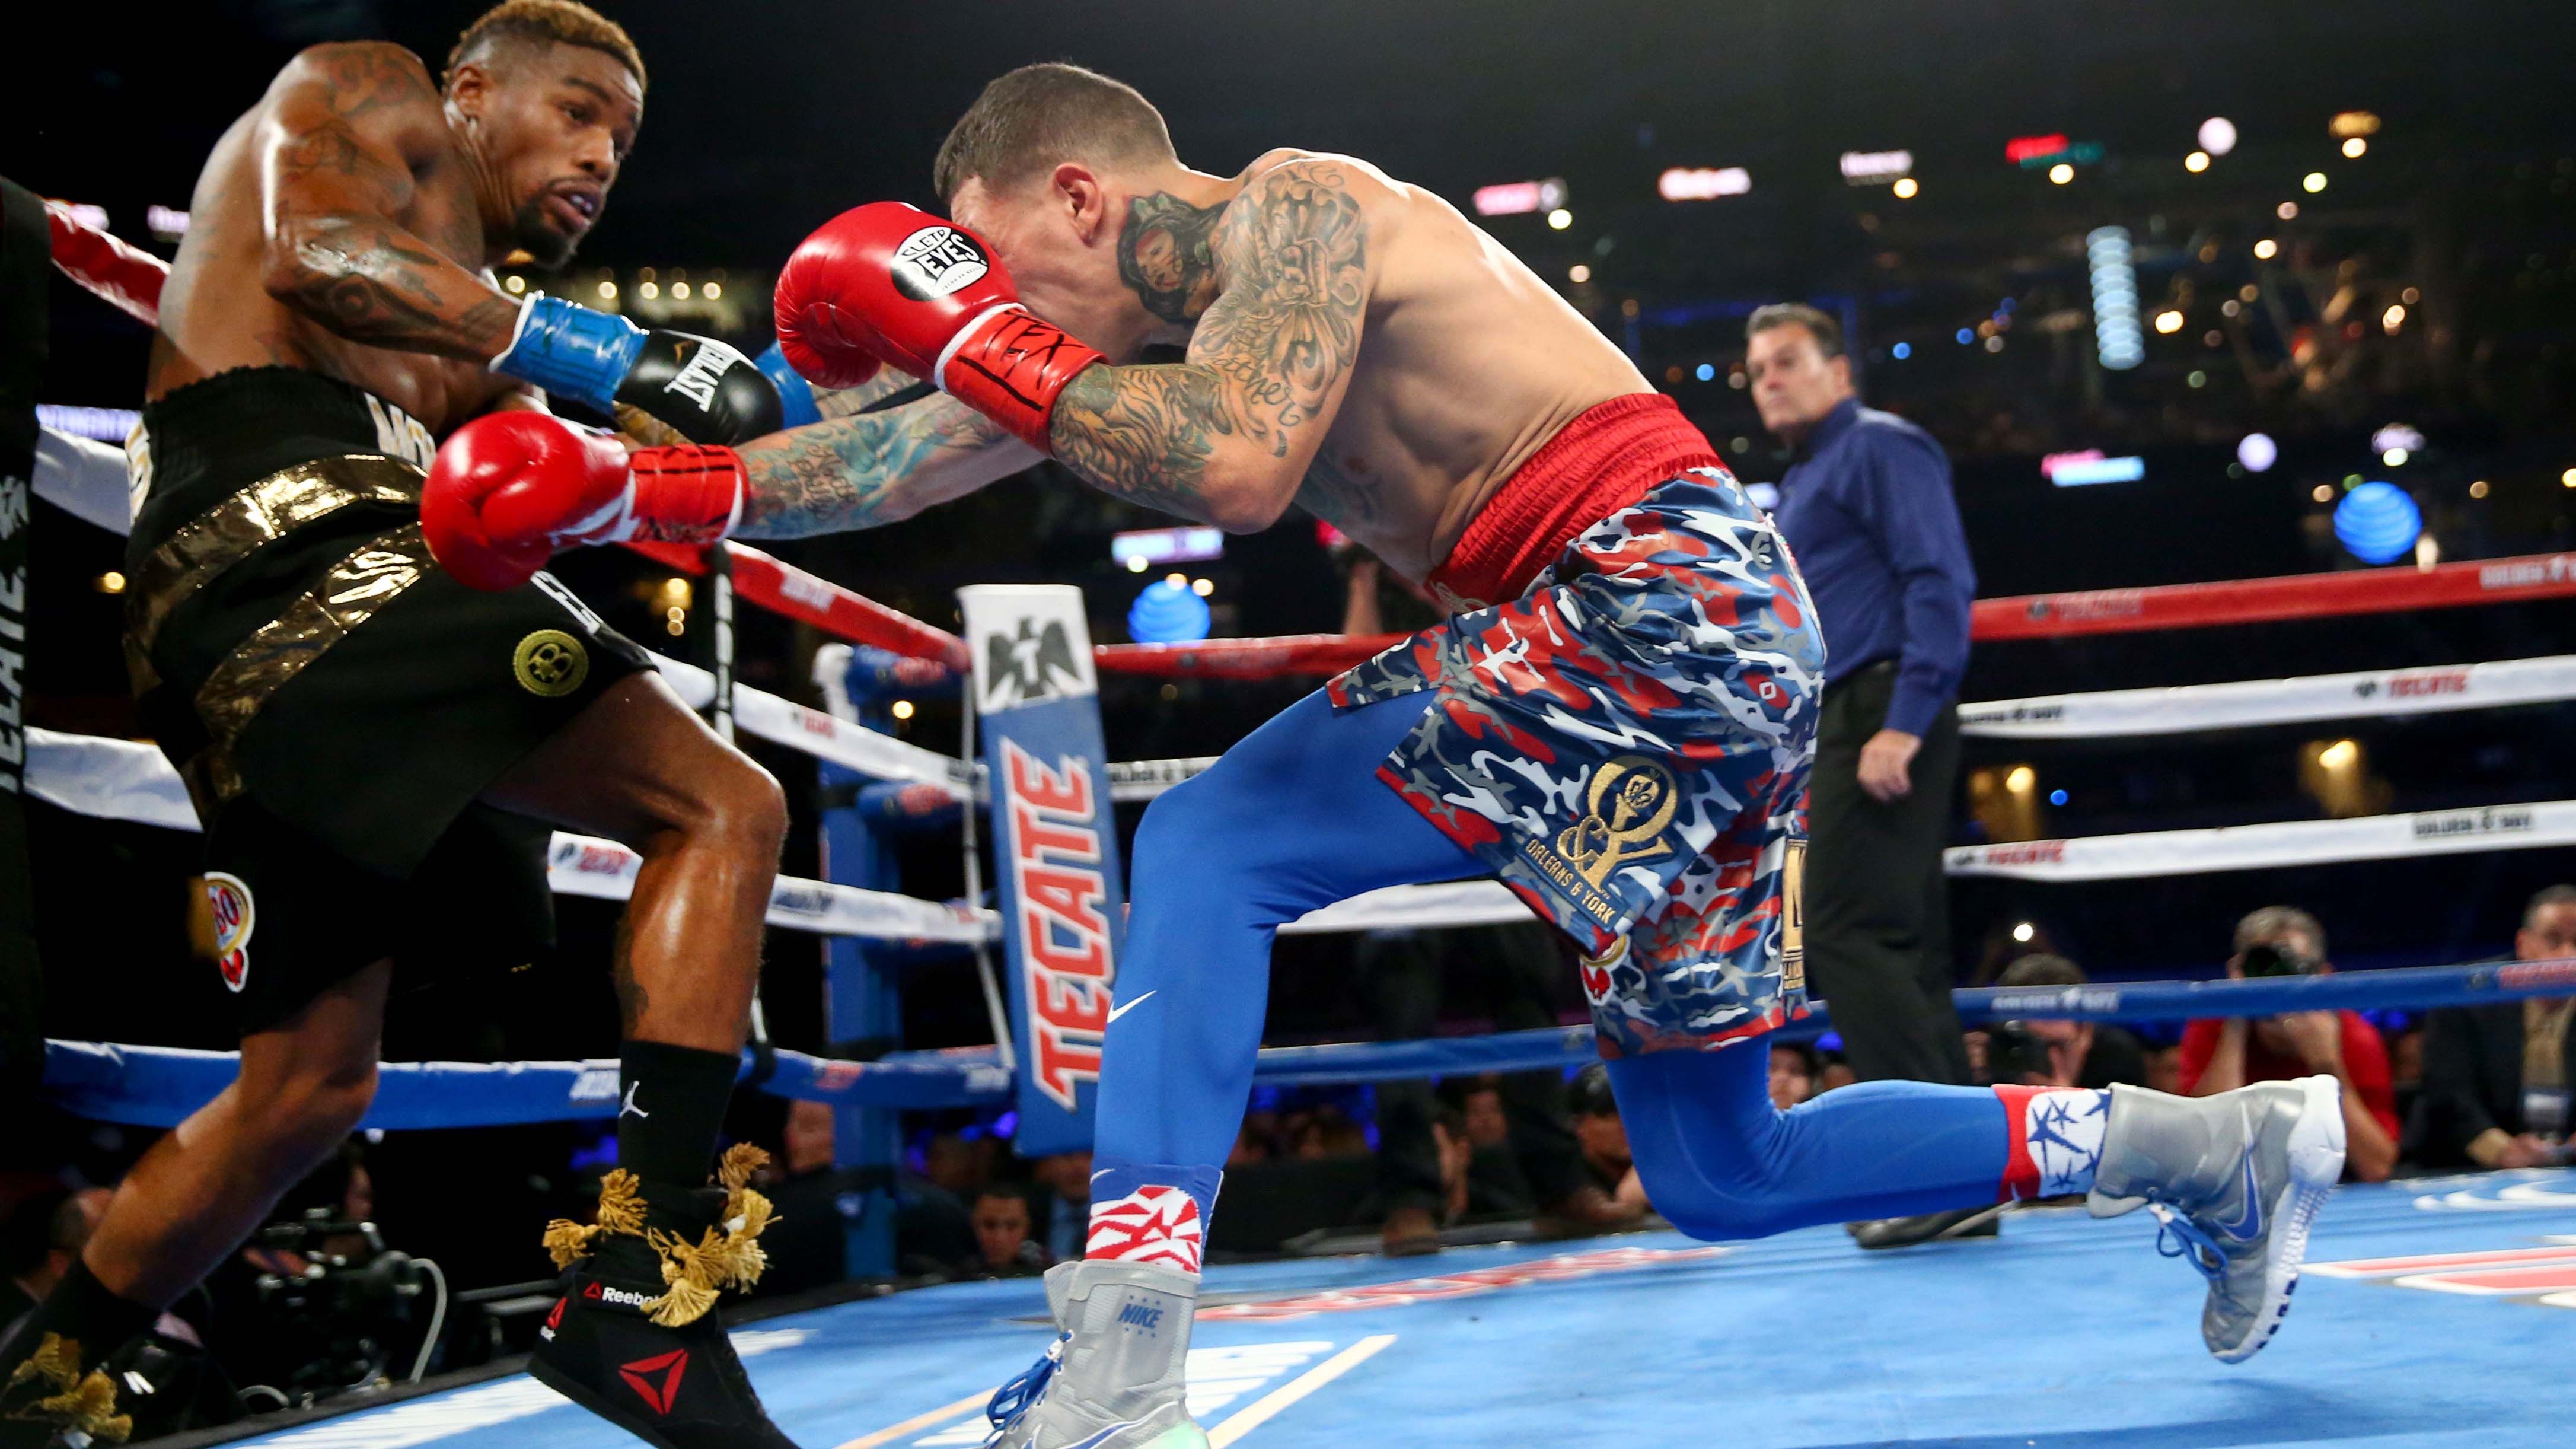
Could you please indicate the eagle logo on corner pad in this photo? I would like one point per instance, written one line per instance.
(1032, 665)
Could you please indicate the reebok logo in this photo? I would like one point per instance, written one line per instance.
(617, 1296)
(656, 1380)
(1140, 1315)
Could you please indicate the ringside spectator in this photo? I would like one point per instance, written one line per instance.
(2222, 1055)
(2079, 1053)
(2496, 1077)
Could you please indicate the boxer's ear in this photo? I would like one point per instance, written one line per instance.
(1078, 193)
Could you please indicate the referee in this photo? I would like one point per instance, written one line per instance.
(1867, 509)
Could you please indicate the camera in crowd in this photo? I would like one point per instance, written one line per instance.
(336, 1308)
(2276, 958)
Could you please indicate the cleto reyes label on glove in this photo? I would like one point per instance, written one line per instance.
(936, 261)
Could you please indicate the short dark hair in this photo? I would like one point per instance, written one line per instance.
(2545, 897)
(2041, 968)
(2269, 921)
(1041, 115)
(1819, 324)
(557, 22)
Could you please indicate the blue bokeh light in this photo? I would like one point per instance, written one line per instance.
(1902, 351)
(1167, 613)
(2378, 522)
(1705, 372)
(2056, 797)
(1966, 336)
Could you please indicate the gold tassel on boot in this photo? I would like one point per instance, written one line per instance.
(621, 1212)
(82, 1402)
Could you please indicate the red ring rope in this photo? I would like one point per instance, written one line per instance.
(131, 280)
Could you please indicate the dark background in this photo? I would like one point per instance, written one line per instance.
(764, 119)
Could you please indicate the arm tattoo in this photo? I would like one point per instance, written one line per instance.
(1267, 356)
(851, 473)
(1163, 255)
(338, 180)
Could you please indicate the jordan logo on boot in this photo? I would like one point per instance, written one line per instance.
(656, 1380)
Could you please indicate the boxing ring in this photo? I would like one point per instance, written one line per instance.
(2062, 1333)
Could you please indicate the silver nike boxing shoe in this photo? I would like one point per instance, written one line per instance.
(1113, 1379)
(2235, 1180)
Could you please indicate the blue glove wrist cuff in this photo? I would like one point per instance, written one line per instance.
(795, 395)
(572, 351)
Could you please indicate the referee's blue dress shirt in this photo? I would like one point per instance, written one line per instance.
(1868, 510)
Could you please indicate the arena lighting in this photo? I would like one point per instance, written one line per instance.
(2257, 452)
(2339, 755)
(1520, 198)
(2395, 457)
(168, 223)
(2197, 161)
(2478, 489)
(1905, 188)
(2287, 211)
(110, 582)
(2314, 181)
(2061, 173)
(2393, 318)
(2078, 470)
(2116, 338)
(2021, 779)
(2398, 436)
(2266, 249)
(2168, 321)
(2030, 153)
(901, 709)
(1142, 548)
(2377, 522)
(1559, 219)
(2217, 135)
(1167, 612)
(2347, 124)
(2354, 147)
(2023, 931)
(1876, 168)
(2032, 150)
(1703, 183)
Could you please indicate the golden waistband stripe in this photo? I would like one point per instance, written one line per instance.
(256, 515)
(354, 591)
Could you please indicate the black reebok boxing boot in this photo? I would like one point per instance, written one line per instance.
(635, 1338)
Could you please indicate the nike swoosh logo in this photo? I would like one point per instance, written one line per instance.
(1096, 1440)
(2249, 1223)
(1115, 1012)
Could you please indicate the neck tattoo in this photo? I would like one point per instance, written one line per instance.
(1163, 255)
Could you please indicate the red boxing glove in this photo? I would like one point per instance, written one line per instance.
(510, 490)
(890, 283)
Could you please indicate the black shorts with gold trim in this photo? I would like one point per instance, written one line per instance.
(333, 699)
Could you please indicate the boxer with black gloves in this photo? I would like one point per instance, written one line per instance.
(369, 742)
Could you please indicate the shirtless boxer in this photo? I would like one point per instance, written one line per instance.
(376, 751)
(1616, 721)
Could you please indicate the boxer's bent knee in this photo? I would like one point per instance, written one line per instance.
(293, 1117)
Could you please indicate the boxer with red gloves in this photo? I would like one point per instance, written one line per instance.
(1617, 723)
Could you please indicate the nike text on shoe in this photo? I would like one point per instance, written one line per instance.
(1113, 1377)
(2235, 1181)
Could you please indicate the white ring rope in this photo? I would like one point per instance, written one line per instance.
(2297, 700)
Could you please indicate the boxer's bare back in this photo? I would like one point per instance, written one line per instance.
(1355, 346)
(1354, 343)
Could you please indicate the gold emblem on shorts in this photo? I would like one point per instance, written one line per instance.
(1793, 915)
(1631, 801)
(550, 662)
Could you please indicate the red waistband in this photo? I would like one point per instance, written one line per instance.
(1595, 465)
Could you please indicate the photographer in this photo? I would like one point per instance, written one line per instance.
(2045, 1053)
(2222, 1055)
(2496, 1077)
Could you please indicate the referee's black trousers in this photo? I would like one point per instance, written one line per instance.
(1878, 917)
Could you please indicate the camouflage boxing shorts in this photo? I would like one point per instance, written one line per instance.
(1626, 746)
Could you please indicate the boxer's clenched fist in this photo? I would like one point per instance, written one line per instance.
(890, 283)
(508, 491)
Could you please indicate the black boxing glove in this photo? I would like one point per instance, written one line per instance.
(706, 389)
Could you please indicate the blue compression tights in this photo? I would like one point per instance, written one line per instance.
(1293, 819)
